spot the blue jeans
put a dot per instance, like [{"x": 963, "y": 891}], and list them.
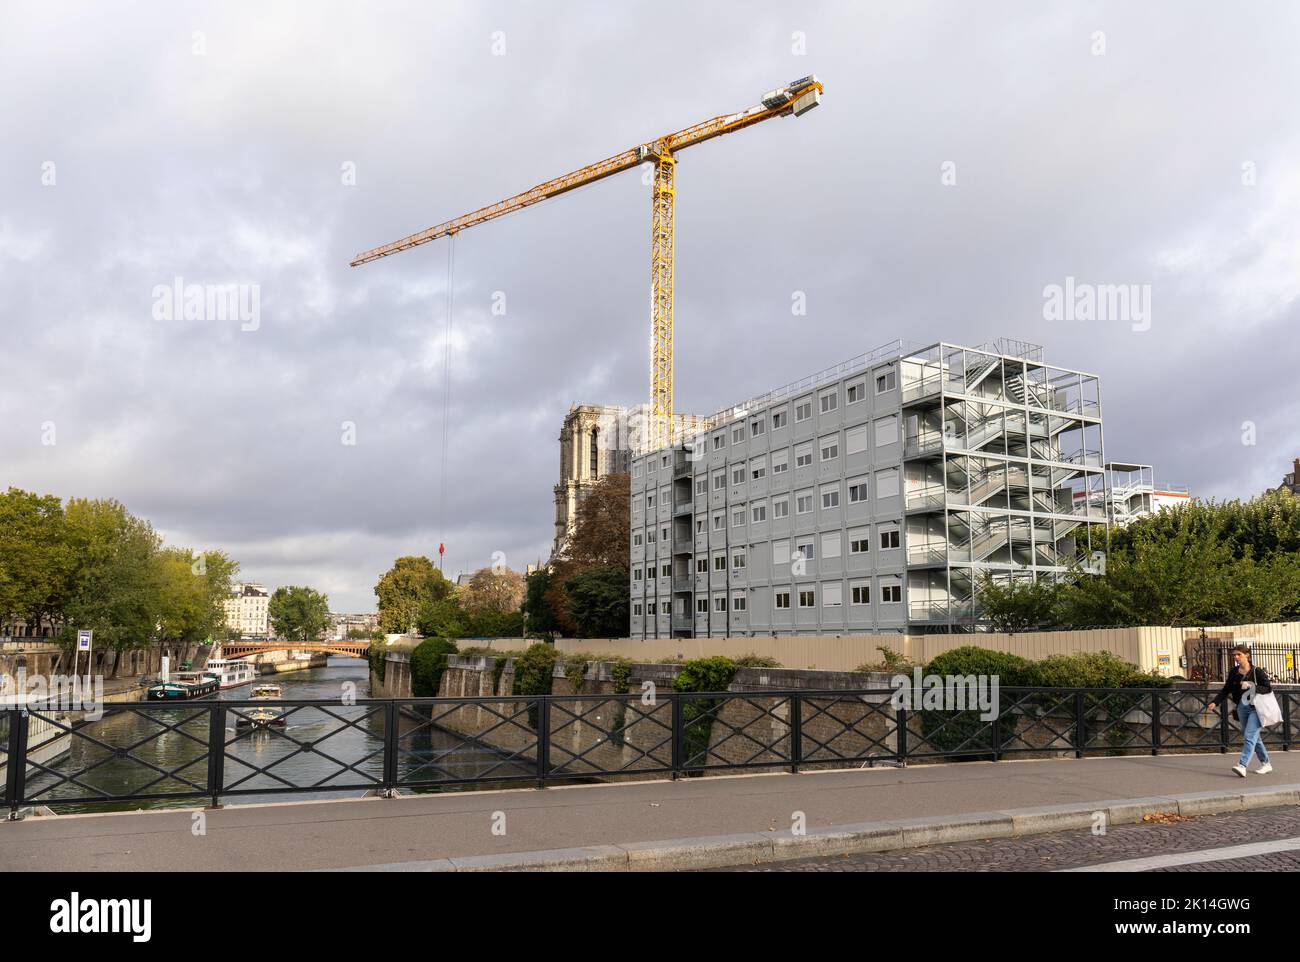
[{"x": 1249, "y": 719}]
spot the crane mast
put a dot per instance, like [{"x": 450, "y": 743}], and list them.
[{"x": 794, "y": 99}]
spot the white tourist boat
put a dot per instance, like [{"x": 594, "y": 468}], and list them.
[{"x": 230, "y": 673}]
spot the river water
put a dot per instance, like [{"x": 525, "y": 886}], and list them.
[{"x": 114, "y": 755}]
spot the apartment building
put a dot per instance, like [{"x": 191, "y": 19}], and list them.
[
  {"x": 248, "y": 610},
  {"x": 869, "y": 498}
]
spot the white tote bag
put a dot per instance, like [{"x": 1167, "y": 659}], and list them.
[{"x": 1266, "y": 707}]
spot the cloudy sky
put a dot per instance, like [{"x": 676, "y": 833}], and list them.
[{"x": 1116, "y": 143}]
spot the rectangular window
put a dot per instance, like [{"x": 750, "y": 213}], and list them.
[
  {"x": 702, "y": 606},
  {"x": 781, "y": 599},
  {"x": 830, "y": 497},
  {"x": 781, "y": 552},
  {"x": 802, "y": 410},
  {"x": 701, "y": 566},
  {"x": 887, "y": 483},
  {"x": 757, "y": 427},
  {"x": 719, "y": 441},
  {"x": 719, "y": 522},
  {"x": 888, "y": 538},
  {"x": 636, "y": 610},
  {"x": 666, "y": 608},
  {"x": 636, "y": 470},
  {"x": 650, "y": 500},
  {"x": 780, "y": 419},
  {"x": 738, "y": 474},
  {"x": 832, "y": 595},
  {"x": 636, "y": 575},
  {"x": 738, "y": 434},
  {"x": 885, "y": 381},
  {"x": 886, "y": 430},
  {"x": 807, "y": 597},
  {"x": 720, "y": 562},
  {"x": 738, "y": 517},
  {"x": 719, "y": 480},
  {"x": 830, "y": 448},
  {"x": 855, "y": 439},
  {"x": 803, "y": 502},
  {"x": 758, "y": 513},
  {"x": 803, "y": 456},
  {"x": 739, "y": 602},
  {"x": 738, "y": 561},
  {"x": 650, "y": 573},
  {"x": 780, "y": 507},
  {"x": 859, "y": 541},
  {"x": 891, "y": 594},
  {"x": 861, "y": 593},
  {"x": 830, "y": 401},
  {"x": 858, "y": 491},
  {"x": 637, "y": 540},
  {"x": 856, "y": 391},
  {"x": 757, "y": 471},
  {"x": 701, "y": 485},
  {"x": 720, "y": 603},
  {"x": 666, "y": 571},
  {"x": 806, "y": 549},
  {"x": 780, "y": 461},
  {"x": 652, "y": 536},
  {"x": 831, "y": 544}
]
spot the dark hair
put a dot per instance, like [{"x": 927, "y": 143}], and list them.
[{"x": 1243, "y": 648}]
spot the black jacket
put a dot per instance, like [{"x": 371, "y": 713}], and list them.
[{"x": 1233, "y": 685}]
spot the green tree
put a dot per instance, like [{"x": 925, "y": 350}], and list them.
[
  {"x": 598, "y": 601},
  {"x": 537, "y": 608},
  {"x": 428, "y": 662},
  {"x": 114, "y": 584},
  {"x": 442, "y": 618},
  {"x": 36, "y": 560},
  {"x": 298, "y": 613},
  {"x": 1019, "y": 604},
  {"x": 405, "y": 588},
  {"x": 191, "y": 589}
]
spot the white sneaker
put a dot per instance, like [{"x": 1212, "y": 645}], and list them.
[
  {"x": 1264, "y": 769},
  {"x": 1240, "y": 770}
]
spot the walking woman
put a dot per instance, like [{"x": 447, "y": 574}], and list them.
[{"x": 1244, "y": 682}]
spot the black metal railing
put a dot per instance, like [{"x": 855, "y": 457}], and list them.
[
  {"x": 1210, "y": 659},
  {"x": 210, "y": 750}
]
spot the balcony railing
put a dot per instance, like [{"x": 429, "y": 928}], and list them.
[
  {"x": 927, "y": 554},
  {"x": 927, "y": 498}
]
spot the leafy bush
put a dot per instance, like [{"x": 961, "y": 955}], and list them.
[
  {"x": 1092, "y": 669},
  {"x": 964, "y": 730},
  {"x": 890, "y": 660},
  {"x": 534, "y": 672},
  {"x": 701, "y": 675},
  {"x": 378, "y": 649},
  {"x": 428, "y": 662},
  {"x": 752, "y": 660}
]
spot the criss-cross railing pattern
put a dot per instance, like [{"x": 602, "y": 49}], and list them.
[
  {"x": 482, "y": 741},
  {"x": 844, "y": 727},
  {"x": 1036, "y": 720},
  {"x": 210, "y": 749},
  {"x": 610, "y": 735},
  {"x": 88, "y": 750},
  {"x": 313, "y": 731}
]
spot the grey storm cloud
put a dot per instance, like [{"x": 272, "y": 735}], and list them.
[{"x": 208, "y": 142}]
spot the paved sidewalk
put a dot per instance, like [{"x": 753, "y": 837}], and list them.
[{"x": 624, "y": 825}]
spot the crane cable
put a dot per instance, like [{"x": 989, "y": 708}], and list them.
[{"x": 446, "y": 395}]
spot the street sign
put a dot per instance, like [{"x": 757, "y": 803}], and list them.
[{"x": 83, "y": 640}]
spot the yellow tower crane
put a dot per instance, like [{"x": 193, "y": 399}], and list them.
[{"x": 795, "y": 99}]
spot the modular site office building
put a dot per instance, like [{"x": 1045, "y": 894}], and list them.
[{"x": 871, "y": 497}]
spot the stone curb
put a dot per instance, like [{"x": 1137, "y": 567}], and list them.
[{"x": 723, "y": 851}]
